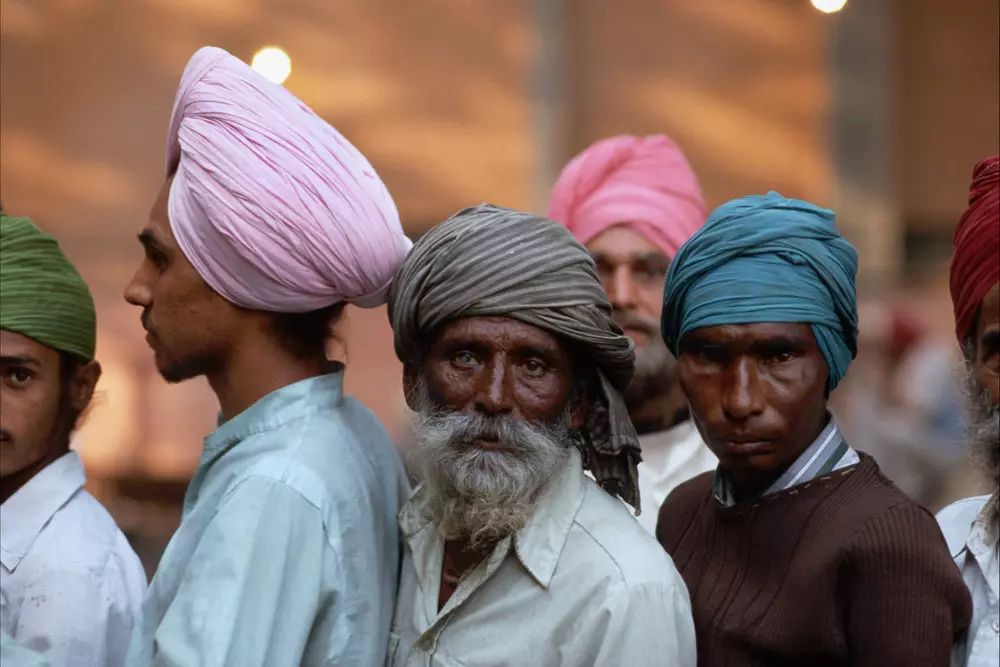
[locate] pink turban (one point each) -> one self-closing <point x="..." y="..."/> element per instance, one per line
<point x="275" y="209"/>
<point x="645" y="184"/>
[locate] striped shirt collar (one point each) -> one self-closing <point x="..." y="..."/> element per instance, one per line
<point x="828" y="452"/>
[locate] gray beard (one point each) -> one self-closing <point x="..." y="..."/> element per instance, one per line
<point x="982" y="432"/>
<point x="475" y="495"/>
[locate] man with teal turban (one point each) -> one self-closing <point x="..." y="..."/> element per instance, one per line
<point x="796" y="550"/>
<point x="70" y="584"/>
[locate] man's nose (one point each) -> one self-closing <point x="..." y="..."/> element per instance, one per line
<point x="621" y="288"/>
<point x="137" y="291"/>
<point x="494" y="395"/>
<point x="741" y="397"/>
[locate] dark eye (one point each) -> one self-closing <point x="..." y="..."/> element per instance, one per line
<point x="648" y="273"/>
<point x="534" y="367"/>
<point x="18" y="377"/>
<point x="464" y="358"/>
<point x="156" y="258"/>
<point x="708" y="354"/>
<point x="781" y="357"/>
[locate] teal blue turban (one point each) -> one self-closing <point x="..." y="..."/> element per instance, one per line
<point x="767" y="259"/>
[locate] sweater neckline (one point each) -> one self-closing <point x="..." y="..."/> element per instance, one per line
<point x="807" y="489"/>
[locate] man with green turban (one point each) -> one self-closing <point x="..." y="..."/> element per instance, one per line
<point x="70" y="584"/>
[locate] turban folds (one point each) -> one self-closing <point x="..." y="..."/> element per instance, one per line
<point x="491" y="261"/>
<point x="767" y="259"/>
<point x="42" y="295"/>
<point x="975" y="266"/>
<point x="274" y="208"/>
<point x="644" y="184"/>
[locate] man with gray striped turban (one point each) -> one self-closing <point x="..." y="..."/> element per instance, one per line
<point x="515" y="370"/>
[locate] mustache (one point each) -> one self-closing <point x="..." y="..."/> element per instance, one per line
<point x="627" y="319"/>
<point x="466" y="429"/>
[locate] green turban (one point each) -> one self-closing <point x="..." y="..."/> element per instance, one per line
<point x="42" y="295"/>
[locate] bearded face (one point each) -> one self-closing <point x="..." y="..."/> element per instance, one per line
<point x="481" y="494"/>
<point x="982" y="426"/>
<point x="655" y="370"/>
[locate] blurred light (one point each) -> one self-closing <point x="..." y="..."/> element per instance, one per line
<point x="272" y="63"/>
<point x="829" y="6"/>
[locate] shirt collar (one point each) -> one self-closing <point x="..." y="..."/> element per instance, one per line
<point x="539" y="543"/>
<point x="292" y="403"/>
<point x="980" y="544"/>
<point x="26" y="513"/>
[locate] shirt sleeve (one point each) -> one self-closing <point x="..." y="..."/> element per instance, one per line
<point x="647" y="624"/>
<point x="253" y="586"/>
<point x="78" y="618"/>
<point x="907" y="602"/>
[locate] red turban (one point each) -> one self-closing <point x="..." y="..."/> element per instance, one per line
<point x="975" y="266"/>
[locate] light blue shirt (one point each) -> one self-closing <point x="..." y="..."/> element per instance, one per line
<point x="288" y="549"/>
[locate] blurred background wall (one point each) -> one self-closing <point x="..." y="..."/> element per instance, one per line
<point x="879" y="111"/>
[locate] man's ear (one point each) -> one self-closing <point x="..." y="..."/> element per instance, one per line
<point x="82" y="385"/>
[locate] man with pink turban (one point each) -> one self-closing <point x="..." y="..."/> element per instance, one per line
<point x="269" y="222"/>
<point x="634" y="201"/>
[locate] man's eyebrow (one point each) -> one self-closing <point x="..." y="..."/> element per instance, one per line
<point x="149" y="240"/>
<point x="539" y="350"/>
<point x="19" y="360"/>
<point x="651" y="257"/>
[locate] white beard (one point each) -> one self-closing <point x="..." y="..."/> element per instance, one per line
<point x="482" y="496"/>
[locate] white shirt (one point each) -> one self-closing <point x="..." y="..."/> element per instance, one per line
<point x="581" y="585"/>
<point x="70" y="584"/>
<point x="964" y="528"/>
<point x="669" y="458"/>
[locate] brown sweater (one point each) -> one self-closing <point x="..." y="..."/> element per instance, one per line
<point x="842" y="570"/>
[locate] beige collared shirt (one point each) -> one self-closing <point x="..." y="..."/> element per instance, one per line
<point x="581" y="585"/>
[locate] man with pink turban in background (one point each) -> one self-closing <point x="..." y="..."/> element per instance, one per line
<point x="633" y="202"/>
<point x="268" y="223"/>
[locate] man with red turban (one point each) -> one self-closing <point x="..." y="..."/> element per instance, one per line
<point x="972" y="526"/>
<point x="633" y="202"/>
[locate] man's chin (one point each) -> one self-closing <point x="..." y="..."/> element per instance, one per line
<point x="175" y="373"/>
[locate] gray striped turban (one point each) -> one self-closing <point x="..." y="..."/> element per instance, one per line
<point x="491" y="261"/>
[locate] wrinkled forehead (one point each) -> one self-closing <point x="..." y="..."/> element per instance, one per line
<point x="500" y="332"/>
<point x="746" y="336"/>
